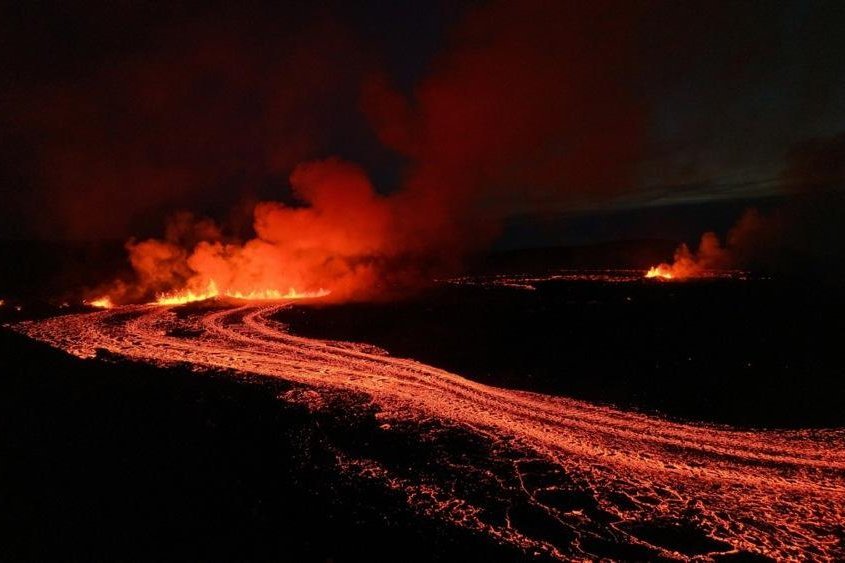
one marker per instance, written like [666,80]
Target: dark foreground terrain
[115,461]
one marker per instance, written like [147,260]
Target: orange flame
[104,302]
[212,290]
[661,271]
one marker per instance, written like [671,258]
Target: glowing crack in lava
[211,291]
[775,493]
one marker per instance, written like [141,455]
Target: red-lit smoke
[198,116]
[525,105]
[335,241]
[687,264]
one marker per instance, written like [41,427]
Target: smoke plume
[801,237]
[524,104]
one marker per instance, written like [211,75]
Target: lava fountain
[211,291]
[779,494]
[661,271]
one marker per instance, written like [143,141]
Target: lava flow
[779,494]
[211,291]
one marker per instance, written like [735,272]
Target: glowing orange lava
[104,302]
[779,494]
[211,291]
[662,271]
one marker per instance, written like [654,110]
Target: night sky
[621,120]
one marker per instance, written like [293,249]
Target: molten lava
[661,271]
[779,494]
[211,291]
[104,302]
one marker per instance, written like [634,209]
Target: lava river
[779,494]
